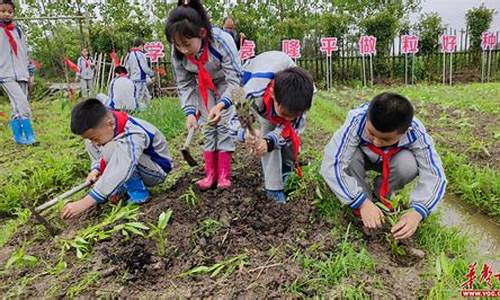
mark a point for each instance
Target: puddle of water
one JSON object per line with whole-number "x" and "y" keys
{"x": 480, "y": 228}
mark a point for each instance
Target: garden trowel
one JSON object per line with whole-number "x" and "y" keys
{"x": 185, "y": 149}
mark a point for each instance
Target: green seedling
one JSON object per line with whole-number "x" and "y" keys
{"x": 190, "y": 198}
{"x": 158, "y": 232}
{"x": 228, "y": 266}
{"x": 19, "y": 259}
{"x": 83, "y": 242}
{"x": 209, "y": 227}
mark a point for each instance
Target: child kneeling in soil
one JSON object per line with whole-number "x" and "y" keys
{"x": 280, "y": 93}
{"x": 384, "y": 136}
{"x": 127, "y": 155}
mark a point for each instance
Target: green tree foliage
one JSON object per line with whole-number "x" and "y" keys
{"x": 478, "y": 20}
{"x": 429, "y": 28}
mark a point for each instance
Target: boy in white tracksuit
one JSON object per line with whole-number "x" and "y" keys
{"x": 86, "y": 74}
{"x": 280, "y": 93}
{"x": 384, "y": 136}
{"x": 128, "y": 155}
{"x": 16, "y": 71}
{"x": 122, "y": 91}
{"x": 139, "y": 72}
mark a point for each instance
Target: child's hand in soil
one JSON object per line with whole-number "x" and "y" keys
{"x": 74, "y": 209}
{"x": 260, "y": 147}
{"x": 371, "y": 215}
{"x": 191, "y": 122}
{"x": 406, "y": 226}
{"x": 215, "y": 113}
{"x": 93, "y": 176}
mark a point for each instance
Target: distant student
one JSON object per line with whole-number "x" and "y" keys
{"x": 16, "y": 71}
{"x": 384, "y": 136}
{"x": 139, "y": 72}
{"x": 230, "y": 27}
{"x": 207, "y": 69}
{"x": 122, "y": 91}
{"x": 128, "y": 155}
{"x": 281, "y": 93}
{"x": 86, "y": 75}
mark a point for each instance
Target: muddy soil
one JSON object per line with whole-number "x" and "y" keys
{"x": 267, "y": 233}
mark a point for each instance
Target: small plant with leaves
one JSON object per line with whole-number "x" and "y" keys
{"x": 158, "y": 231}
{"x": 209, "y": 227}
{"x": 19, "y": 259}
{"x": 190, "y": 198}
{"x": 84, "y": 240}
{"x": 224, "y": 268}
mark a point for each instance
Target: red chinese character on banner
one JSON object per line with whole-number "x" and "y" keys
{"x": 471, "y": 275}
{"x": 367, "y": 45}
{"x": 154, "y": 50}
{"x": 328, "y": 45}
{"x": 247, "y": 50}
{"x": 409, "y": 44}
{"x": 489, "y": 41}
{"x": 486, "y": 274}
{"x": 291, "y": 48}
{"x": 448, "y": 43}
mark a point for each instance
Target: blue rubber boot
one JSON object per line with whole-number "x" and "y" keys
{"x": 276, "y": 196}
{"x": 136, "y": 190}
{"x": 28, "y": 131}
{"x": 17, "y": 131}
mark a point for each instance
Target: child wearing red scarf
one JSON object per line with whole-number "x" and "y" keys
{"x": 128, "y": 155}
{"x": 384, "y": 136}
{"x": 207, "y": 68}
{"x": 16, "y": 72}
{"x": 86, "y": 74}
{"x": 281, "y": 93}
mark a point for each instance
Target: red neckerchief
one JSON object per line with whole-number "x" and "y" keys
{"x": 8, "y": 31}
{"x": 386, "y": 169}
{"x": 205, "y": 81}
{"x": 121, "y": 119}
{"x": 87, "y": 61}
{"x": 136, "y": 49}
{"x": 122, "y": 75}
{"x": 288, "y": 132}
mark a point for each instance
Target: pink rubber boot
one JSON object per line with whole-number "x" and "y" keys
{"x": 210, "y": 171}
{"x": 224, "y": 178}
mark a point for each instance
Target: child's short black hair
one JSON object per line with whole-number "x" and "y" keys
{"x": 138, "y": 43}
{"x": 9, "y": 2}
{"x": 121, "y": 70}
{"x": 87, "y": 115}
{"x": 294, "y": 89}
{"x": 187, "y": 20}
{"x": 390, "y": 112}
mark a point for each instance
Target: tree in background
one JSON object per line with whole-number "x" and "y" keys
{"x": 478, "y": 20}
{"x": 429, "y": 27}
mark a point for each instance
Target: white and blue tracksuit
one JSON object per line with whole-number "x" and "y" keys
{"x": 347, "y": 157}
{"x": 122, "y": 94}
{"x": 141, "y": 150}
{"x": 256, "y": 76}
{"x": 86, "y": 75}
{"x": 15, "y": 71}
{"x": 139, "y": 72}
{"x": 224, "y": 67}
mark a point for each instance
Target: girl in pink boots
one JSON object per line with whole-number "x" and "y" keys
{"x": 207, "y": 68}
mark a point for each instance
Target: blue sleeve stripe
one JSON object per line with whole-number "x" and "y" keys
{"x": 358, "y": 201}
{"x": 97, "y": 196}
{"x": 436, "y": 170}
{"x": 338, "y": 155}
{"x": 234, "y": 60}
{"x": 227, "y": 102}
{"x": 422, "y": 210}
{"x": 215, "y": 52}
